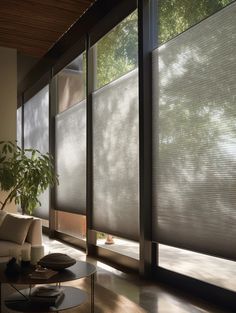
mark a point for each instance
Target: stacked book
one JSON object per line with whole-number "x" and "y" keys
{"x": 42, "y": 273}
{"x": 47, "y": 295}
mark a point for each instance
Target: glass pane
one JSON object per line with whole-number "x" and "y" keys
{"x": 212, "y": 270}
{"x": 117, "y": 52}
{"x": 71, "y": 83}
{"x": 36, "y": 135}
{"x": 71, "y": 224}
{"x": 36, "y": 122}
{"x": 119, "y": 245}
{"x": 194, "y": 138}
{"x": 178, "y": 15}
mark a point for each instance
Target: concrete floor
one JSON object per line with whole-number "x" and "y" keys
{"x": 152, "y": 297}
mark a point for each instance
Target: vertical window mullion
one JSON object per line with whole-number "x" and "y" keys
{"x": 90, "y": 81}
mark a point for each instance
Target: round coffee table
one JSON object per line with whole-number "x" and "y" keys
{"x": 73, "y": 297}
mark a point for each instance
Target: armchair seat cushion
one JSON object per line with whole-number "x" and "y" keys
{"x": 8, "y": 248}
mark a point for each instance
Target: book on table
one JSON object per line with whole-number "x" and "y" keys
{"x": 43, "y": 273}
{"x": 47, "y": 294}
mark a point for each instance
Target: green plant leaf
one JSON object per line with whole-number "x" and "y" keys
{"x": 25, "y": 173}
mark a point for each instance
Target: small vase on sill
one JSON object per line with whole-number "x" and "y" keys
{"x": 109, "y": 240}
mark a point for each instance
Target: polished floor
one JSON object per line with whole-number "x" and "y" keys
{"x": 154, "y": 298}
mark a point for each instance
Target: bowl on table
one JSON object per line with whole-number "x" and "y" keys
{"x": 57, "y": 261}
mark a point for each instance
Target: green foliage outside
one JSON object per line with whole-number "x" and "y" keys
{"x": 178, "y": 15}
{"x": 117, "y": 52}
{"x": 24, "y": 175}
{"x": 101, "y": 235}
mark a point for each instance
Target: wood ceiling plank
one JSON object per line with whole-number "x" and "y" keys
{"x": 38, "y": 11}
{"x": 25, "y": 32}
{"x": 68, "y": 5}
{"x": 37, "y": 19}
{"x": 24, "y": 40}
{"x": 35, "y": 25}
{"x": 40, "y": 25}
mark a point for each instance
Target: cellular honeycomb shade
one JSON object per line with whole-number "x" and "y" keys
{"x": 36, "y": 135}
{"x": 71, "y": 159}
{"x": 115, "y": 158}
{"x": 194, "y": 138}
{"x": 19, "y": 137}
{"x": 19, "y": 126}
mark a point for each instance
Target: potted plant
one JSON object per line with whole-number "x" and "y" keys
{"x": 24, "y": 175}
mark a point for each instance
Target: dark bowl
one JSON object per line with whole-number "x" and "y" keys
{"x": 56, "y": 261}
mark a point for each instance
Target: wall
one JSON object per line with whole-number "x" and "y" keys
{"x": 8, "y": 97}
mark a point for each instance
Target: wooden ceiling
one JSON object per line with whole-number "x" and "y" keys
{"x": 33, "y": 26}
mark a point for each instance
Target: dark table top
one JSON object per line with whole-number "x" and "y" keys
{"x": 79, "y": 270}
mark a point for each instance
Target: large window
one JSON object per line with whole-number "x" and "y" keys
{"x": 194, "y": 138}
{"x": 70, "y": 149}
{"x": 115, "y": 133}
